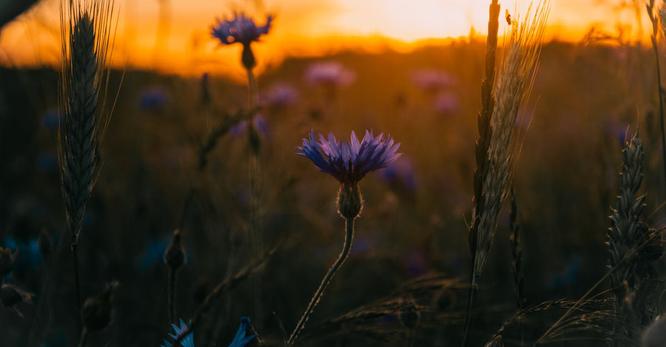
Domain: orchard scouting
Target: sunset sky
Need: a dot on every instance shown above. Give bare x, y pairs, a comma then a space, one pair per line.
302, 27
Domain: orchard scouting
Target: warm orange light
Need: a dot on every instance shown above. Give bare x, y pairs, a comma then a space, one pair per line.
302, 27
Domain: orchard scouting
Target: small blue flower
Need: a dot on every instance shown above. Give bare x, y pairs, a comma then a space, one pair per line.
329, 73
51, 120
259, 122
242, 339
47, 162
350, 162
400, 174
152, 255
178, 330
240, 29
153, 99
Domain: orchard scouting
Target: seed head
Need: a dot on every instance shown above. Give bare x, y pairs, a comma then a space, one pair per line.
96, 311
174, 256
7, 260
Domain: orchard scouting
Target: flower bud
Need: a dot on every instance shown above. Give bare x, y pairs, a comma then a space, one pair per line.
7, 259
248, 60
350, 201
174, 256
409, 316
11, 295
96, 311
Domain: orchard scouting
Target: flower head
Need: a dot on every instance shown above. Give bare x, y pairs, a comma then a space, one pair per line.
280, 96
446, 103
350, 161
242, 339
431, 80
178, 330
400, 173
51, 120
329, 74
153, 99
240, 29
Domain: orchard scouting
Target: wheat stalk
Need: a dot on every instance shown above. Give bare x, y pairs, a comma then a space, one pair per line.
497, 143
86, 27
631, 281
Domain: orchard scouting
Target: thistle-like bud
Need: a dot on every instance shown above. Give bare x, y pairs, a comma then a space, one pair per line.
96, 311
350, 201
11, 295
248, 60
7, 259
174, 256
409, 316
44, 242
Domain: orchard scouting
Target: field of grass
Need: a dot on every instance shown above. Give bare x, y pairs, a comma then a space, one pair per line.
262, 222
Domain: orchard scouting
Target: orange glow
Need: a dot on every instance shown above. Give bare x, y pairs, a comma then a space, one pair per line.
302, 28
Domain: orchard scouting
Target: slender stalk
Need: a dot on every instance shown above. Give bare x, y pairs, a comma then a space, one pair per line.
344, 254
660, 91
172, 295
256, 243
631, 253
484, 120
83, 339
74, 248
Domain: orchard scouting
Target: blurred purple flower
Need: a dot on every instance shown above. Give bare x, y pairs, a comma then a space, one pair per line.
280, 96
617, 131
153, 99
152, 255
47, 162
399, 173
240, 29
569, 275
30, 255
416, 263
350, 161
51, 120
362, 245
431, 80
446, 103
260, 124
329, 74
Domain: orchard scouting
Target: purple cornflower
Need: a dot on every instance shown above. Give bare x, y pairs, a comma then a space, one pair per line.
279, 96
350, 162
242, 29
432, 80
153, 99
400, 173
51, 120
446, 103
259, 122
242, 338
178, 330
329, 74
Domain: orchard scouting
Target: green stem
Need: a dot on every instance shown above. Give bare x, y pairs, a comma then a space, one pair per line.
172, 295
344, 254
83, 339
74, 248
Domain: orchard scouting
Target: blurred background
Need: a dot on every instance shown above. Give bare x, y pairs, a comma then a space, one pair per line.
409, 68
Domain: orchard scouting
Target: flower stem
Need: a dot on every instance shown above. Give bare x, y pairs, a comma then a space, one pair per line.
74, 248
83, 339
172, 295
344, 254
